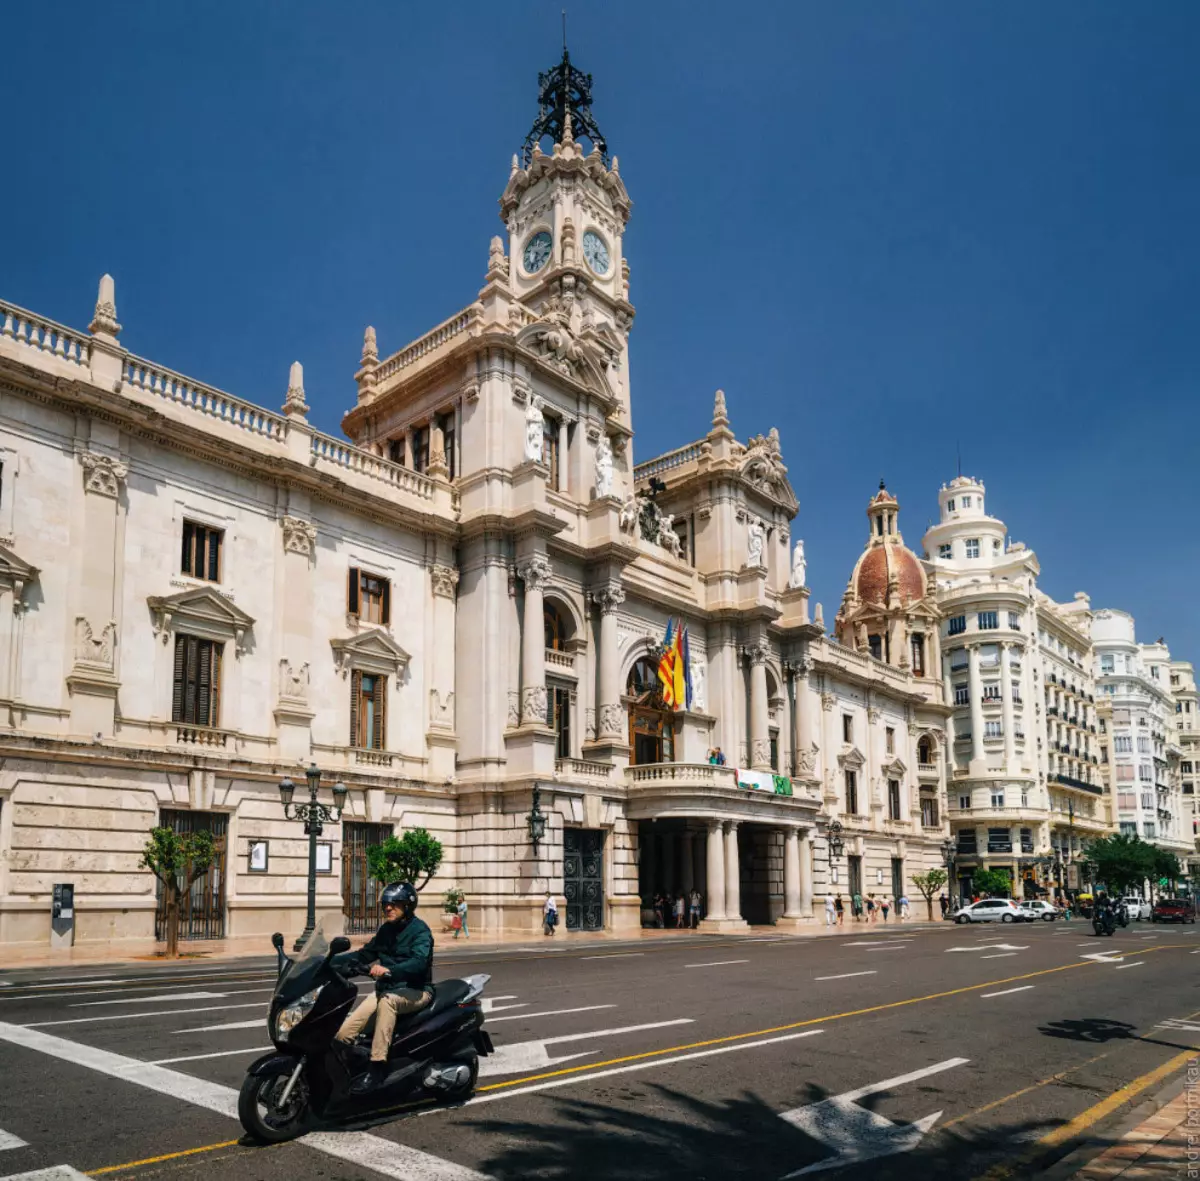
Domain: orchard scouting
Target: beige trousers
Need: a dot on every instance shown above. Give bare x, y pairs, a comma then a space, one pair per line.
385, 1009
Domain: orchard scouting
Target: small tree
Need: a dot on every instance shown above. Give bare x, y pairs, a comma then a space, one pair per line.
451, 898
177, 859
929, 884
989, 882
1121, 861
1165, 865
414, 857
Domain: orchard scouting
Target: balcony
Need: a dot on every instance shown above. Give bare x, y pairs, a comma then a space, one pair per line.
203, 736
1052, 711
582, 769
681, 775
559, 661
1078, 784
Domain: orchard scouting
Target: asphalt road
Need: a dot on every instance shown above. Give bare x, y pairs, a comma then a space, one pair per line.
957, 1052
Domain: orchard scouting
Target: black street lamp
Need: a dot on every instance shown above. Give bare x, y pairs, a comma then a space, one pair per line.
949, 849
834, 844
315, 816
536, 820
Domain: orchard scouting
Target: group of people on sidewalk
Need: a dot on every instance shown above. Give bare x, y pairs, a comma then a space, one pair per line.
870, 909
678, 910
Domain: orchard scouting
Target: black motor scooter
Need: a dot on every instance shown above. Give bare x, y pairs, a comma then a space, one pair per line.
1104, 922
305, 1083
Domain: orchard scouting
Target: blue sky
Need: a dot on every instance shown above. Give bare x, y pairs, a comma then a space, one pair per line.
887, 229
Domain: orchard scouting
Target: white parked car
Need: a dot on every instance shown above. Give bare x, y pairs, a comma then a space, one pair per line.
1038, 908
1137, 908
989, 910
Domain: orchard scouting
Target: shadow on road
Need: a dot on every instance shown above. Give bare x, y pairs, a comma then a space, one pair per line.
1099, 1030
670, 1134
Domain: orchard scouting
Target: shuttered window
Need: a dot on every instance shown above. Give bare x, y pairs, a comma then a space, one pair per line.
196, 696
201, 557
369, 597
368, 710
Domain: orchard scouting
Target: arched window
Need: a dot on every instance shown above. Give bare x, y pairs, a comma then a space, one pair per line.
651, 724
924, 750
555, 625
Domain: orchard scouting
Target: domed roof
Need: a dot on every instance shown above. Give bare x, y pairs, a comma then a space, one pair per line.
879, 564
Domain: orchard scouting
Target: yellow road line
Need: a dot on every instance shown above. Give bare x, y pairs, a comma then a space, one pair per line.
736, 1037
154, 1160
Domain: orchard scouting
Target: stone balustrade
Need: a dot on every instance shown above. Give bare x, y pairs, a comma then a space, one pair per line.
582, 769
559, 659
372, 758
44, 336
204, 736
434, 339
664, 463
327, 449
203, 399
681, 774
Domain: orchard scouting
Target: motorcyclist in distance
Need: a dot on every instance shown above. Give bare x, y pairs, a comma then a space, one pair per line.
400, 960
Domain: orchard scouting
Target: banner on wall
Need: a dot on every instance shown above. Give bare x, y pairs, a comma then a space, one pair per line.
779, 785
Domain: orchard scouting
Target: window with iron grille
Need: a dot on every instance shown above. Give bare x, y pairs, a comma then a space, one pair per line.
958, 625
999, 840
368, 710
967, 842
196, 695
369, 597
201, 556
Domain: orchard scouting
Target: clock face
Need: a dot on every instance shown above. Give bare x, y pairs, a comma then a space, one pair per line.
537, 252
596, 252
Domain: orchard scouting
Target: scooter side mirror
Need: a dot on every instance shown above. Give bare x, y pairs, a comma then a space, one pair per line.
277, 941
339, 945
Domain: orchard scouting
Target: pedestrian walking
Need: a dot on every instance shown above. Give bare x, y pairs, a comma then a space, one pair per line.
870, 908
856, 907
830, 915
904, 907
944, 903
885, 906
549, 914
679, 912
461, 915
840, 907
694, 908
660, 911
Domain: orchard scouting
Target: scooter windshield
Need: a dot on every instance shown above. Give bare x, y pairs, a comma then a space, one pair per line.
314, 951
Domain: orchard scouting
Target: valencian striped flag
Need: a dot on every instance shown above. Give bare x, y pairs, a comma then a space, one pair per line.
674, 667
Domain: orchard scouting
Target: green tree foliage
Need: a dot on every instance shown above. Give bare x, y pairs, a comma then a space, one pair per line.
993, 883
929, 884
1166, 867
1123, 862
177, 859
414, 857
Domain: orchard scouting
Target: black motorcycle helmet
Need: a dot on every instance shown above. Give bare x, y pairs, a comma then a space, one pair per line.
400, 894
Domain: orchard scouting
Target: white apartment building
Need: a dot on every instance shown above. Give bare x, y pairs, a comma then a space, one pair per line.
1187, 734
1142, 748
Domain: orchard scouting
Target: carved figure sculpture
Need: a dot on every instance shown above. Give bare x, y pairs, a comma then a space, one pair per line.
533, 430
756, 540
799, 565
699, 685
627, 521
604, 467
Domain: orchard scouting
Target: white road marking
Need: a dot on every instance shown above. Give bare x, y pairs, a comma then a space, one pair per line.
8, 1140
871, 942
766, 939
173, 996
988, 995
135, 1016
587, 1077
856, 1134
137, 991
1104, 957
1003, 955
522, 1056
388, 1157
257, 1024
489, 1002
66, 984
1180, 1024
716, 964
202, 1057
54, 1173
1135, 964
613, 955
846, 975
495, 1008
894, 947
550, 1013
992, 946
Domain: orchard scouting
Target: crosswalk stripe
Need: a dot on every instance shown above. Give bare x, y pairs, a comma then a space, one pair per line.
8, 1140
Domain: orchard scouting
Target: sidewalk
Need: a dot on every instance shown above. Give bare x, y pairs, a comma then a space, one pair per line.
13, 959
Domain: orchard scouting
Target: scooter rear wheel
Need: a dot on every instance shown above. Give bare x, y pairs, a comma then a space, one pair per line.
261, 1115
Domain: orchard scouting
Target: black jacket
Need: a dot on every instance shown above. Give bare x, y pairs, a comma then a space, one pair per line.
405, 949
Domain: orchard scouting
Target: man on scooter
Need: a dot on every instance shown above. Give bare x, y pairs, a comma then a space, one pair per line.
400, 959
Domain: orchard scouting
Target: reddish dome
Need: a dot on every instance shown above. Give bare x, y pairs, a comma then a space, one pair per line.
879, 564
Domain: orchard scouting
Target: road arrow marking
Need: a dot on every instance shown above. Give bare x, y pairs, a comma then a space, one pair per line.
856, 1134
521, 1056
1105, 957
8, 1140
993, 947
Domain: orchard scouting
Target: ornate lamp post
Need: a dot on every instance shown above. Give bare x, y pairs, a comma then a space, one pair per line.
834, 843
949, 849
315, 816
536, 820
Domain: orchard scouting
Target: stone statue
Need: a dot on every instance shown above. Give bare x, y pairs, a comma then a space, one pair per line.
533, 430
699, 689
604, 468
667, 537
756, 540
798, 566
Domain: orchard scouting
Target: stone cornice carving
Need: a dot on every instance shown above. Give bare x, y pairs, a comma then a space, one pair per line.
102, 474
299, 536
535, 572
608, 598
293, 682
92, 651
371, 651
201, 610
16, 575
852, 759
444, 580
828, 701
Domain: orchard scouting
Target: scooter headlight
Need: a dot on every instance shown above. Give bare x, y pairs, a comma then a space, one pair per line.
287, 1019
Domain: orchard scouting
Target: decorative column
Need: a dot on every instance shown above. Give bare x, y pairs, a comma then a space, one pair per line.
535, 573
610, 716
686, 879
760, 734
975, 689
791, 873
832, 740
804, 722
441, 735
804, 840
293, 710
715, 873
733, 877
563, 474
1006, 702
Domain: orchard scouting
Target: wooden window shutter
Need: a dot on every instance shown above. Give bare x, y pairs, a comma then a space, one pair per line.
380, 735
180, 672
214, 555
203, 683
215, 711
192, 646
355, 694
185, 561
352, 591
386, 609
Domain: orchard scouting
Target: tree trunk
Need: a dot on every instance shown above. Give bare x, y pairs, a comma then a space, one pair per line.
929, 906
172, 922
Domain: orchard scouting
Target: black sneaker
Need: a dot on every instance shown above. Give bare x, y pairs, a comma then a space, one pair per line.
371, 1080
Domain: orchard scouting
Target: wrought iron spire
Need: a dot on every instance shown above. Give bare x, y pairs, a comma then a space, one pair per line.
564, 90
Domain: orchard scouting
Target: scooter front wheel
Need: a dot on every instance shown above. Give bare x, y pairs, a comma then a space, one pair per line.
264, 1116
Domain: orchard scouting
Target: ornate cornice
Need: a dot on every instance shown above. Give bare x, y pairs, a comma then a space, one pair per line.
444, 580
102, 474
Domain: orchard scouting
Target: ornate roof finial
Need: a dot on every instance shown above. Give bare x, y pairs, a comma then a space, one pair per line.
882, 484
567, 136
497, 270
370, 353
720, 416
564, 110
294, 404
515, 166
104, 320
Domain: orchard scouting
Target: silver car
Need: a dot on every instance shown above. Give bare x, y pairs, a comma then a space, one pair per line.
1038, 908
1136, 907
989, 910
